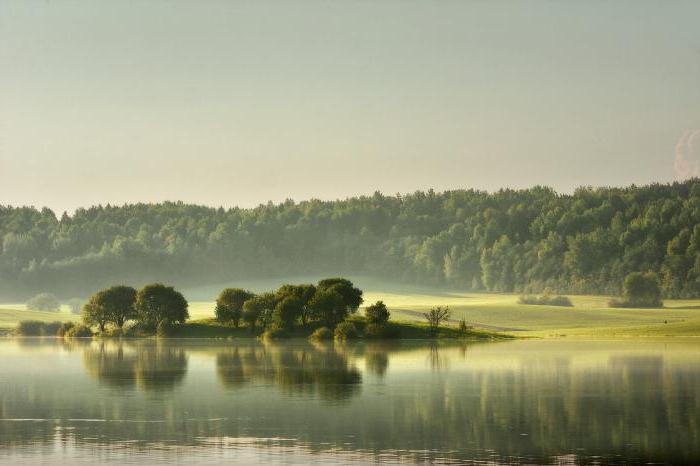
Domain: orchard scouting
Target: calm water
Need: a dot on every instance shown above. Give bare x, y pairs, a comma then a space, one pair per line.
561, 402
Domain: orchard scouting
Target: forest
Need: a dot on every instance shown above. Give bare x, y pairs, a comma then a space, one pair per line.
524, 241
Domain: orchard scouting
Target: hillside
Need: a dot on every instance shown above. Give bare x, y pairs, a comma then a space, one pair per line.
507, 241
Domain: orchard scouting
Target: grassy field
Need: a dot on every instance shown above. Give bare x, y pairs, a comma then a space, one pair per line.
589, 317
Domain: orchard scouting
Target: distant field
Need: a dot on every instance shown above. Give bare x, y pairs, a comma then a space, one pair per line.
590, 316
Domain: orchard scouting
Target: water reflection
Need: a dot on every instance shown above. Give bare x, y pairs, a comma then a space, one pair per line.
149, 366
518, 402
301, 369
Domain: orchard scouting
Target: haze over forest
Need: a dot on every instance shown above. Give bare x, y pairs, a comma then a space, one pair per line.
510, 240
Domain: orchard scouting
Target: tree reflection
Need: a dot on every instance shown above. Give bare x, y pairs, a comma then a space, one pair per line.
295, 370
149, 367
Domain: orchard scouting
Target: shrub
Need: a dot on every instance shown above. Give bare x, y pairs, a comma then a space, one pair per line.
377, 313
346, 331
546, 300
376, 331
65, 327
463, 327
52, 328
274, 333
164, 329
322, 333
43, 302
79, 331
436, 316
30, 328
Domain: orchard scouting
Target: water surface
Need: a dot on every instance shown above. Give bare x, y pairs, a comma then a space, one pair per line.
146, 402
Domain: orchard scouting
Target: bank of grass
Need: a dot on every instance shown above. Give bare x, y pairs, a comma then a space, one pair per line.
404, 330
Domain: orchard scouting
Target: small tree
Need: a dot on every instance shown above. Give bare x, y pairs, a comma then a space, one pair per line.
229, 305
328, 307
377, 313
95, 314
352, 297
156, 303
44, 302
436, 316
287, 312
118, 302
304, 293
252, 310
642, 290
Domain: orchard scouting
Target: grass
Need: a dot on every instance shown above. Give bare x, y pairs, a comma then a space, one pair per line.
12, 314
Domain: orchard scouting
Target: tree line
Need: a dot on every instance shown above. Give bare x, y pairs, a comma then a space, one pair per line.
521, 241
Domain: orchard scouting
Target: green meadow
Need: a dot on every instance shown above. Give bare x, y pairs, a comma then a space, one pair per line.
589, 317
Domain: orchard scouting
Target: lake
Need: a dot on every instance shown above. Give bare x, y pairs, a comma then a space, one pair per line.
215, 402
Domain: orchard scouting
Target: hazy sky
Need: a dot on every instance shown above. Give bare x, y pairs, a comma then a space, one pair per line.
240, 102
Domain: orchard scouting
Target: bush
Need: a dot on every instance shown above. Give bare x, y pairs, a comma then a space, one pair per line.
377, 313
65, 327
164, 329
274, 333
346, 331
463, 327
79, 331
30, 328
546, 300
322, 333
52, 328
376, 331
44, 302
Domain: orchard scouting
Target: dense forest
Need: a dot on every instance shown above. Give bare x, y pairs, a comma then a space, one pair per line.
510, 240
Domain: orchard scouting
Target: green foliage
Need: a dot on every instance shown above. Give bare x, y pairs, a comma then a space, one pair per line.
377, 313
94, 314
304, 293
352, 297
322, 333
114, 305
64, 328
44, 302
463, 327
287, 312
521, 241
546, 300
436, 316
640, 290
252, 310
156, 303
31, 328
346, 331
79, 331
229, 304
164, 329
327, 306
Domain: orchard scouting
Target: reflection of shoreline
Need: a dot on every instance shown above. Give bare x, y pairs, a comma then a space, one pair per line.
577, 398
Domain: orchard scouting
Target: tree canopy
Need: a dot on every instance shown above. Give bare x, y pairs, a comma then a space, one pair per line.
156, 303
522, 241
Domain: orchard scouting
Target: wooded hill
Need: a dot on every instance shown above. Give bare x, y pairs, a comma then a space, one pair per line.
510, 240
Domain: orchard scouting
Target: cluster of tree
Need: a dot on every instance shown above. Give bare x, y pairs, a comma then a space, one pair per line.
511, 240
153, 306
44, 302
327, 303
547, 299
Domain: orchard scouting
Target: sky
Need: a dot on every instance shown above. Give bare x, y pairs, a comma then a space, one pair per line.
234, 103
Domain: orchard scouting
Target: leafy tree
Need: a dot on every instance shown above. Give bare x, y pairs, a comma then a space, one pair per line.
252, 310
377, 313
95, 314
156, 303
118, 303
352, 297
287, 312
642, 290
328, 307
44, 302
229, 304
304, 293
437, 316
